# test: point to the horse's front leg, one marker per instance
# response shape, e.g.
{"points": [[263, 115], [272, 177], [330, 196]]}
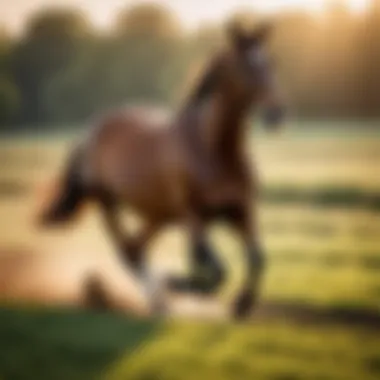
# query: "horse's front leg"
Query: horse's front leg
{"points": [[246, 225], [206, 271]]}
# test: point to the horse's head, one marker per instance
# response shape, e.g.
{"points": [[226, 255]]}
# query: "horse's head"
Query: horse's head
{"points": [[250, 72]]}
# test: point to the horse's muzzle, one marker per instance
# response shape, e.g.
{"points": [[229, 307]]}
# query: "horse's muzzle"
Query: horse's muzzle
{"points": [[274, 116]]}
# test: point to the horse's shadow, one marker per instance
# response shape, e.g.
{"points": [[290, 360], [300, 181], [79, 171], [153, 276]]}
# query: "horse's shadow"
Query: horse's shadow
{"points": [[98, 296]]}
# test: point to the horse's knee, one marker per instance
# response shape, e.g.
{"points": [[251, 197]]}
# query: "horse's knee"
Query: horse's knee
{"points": [[132, 254]]}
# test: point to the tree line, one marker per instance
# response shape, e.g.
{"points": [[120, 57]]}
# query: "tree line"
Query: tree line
{"points": [[62, 70]]}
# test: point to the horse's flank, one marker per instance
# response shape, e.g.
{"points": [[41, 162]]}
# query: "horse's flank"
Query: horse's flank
{"points": [[132, 152]]}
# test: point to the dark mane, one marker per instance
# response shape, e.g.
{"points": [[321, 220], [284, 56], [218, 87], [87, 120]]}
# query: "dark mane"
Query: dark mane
{"points": [[207, 84], [189, 120]]}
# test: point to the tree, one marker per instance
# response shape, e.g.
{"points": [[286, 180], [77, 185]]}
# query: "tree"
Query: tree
{"points": [[50, 43], [148, 21], [9, 101], [142, 61], [369, 38], [9, 94], [340, 52], [150, 47], [295, 50], [84, 86]]}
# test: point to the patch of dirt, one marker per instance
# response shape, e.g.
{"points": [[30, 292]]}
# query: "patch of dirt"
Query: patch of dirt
{"points": [[84, 281], [31, 277]]}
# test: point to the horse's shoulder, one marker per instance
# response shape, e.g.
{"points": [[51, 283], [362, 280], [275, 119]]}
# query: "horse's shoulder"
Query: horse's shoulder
{"points": [[133, 113], [147, 116]]}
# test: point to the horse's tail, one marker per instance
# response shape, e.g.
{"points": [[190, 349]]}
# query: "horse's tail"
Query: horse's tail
{"points": [[71, 193]]}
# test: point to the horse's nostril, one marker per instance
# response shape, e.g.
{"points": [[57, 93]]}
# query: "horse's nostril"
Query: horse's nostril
{"points": [[274, 116]]}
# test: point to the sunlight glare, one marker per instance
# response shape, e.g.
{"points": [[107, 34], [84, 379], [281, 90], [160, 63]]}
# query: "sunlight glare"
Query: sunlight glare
{"points": [[358, 6], [192, 13]]}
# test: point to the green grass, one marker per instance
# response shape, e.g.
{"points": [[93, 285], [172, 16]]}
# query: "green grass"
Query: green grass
{"points": [[259, 351], [43, 344]]}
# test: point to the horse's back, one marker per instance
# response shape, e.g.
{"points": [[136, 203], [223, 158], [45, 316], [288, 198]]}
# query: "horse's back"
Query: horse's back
{"points": [[133, 119], [133, 151]]}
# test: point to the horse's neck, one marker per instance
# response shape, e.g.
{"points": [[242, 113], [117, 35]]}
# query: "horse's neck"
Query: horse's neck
{"points": [[229, 128], [214, 128]]}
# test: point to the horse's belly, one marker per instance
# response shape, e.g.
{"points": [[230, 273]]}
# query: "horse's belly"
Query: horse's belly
{"points": [[148, 196], [152, 188]]}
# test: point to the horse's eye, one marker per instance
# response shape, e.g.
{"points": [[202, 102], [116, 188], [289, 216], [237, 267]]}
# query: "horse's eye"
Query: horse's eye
{"points": [[256, 58]]}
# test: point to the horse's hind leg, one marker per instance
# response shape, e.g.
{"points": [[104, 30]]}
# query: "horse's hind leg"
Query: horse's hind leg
{"points": [[132, 249], [207, 273], [131, 253]]}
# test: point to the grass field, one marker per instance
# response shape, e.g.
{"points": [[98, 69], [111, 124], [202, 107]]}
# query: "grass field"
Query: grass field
{"points": [[62, 345], [320, 224]]}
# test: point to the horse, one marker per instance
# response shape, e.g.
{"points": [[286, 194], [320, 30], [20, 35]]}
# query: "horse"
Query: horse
{"points": [[191, 169]]}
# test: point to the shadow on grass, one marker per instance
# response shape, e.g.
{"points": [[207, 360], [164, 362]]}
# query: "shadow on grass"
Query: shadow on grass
{"points": [[323, 196], [36, 344]]}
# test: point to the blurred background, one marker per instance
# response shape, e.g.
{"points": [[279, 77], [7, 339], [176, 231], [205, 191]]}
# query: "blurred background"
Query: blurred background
{"points": [[61, 62], [60, 65]]}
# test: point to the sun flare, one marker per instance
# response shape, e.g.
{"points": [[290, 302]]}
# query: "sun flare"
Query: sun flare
{"points": [[358, 6], [191, 12]]}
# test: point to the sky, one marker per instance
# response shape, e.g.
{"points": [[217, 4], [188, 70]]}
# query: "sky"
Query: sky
{"points": [[191, 12]]}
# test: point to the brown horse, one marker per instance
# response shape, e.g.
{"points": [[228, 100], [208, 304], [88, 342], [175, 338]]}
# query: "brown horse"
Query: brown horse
{"points": [[190, 169]]}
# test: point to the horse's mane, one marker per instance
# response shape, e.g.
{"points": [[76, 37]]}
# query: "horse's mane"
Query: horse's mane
{"points": [[203, 90], [206, 85]]}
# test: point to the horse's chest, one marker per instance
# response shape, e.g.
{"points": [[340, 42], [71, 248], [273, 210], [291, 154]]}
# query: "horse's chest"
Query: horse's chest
{"points": [[229, 211], [222, 198], [222, 191]]}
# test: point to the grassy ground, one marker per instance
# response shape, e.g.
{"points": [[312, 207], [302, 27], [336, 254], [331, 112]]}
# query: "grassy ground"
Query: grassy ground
{"points": [[320, 225], [47, 345], [275, 351]]}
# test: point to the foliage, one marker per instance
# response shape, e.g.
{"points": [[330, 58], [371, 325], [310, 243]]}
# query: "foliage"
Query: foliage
{"points": [[64, 70], [9, 100], [9, 93]]}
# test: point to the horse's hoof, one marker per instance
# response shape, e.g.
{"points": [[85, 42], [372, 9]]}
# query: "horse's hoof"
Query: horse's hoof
{"points": [[96, 296], [158, 302], [153, 289], [244, 305], [179, 284]]}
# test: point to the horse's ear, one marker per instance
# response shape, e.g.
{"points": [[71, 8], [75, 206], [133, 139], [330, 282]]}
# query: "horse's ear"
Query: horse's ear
{"points": [[261, 34], [236, 34]]}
